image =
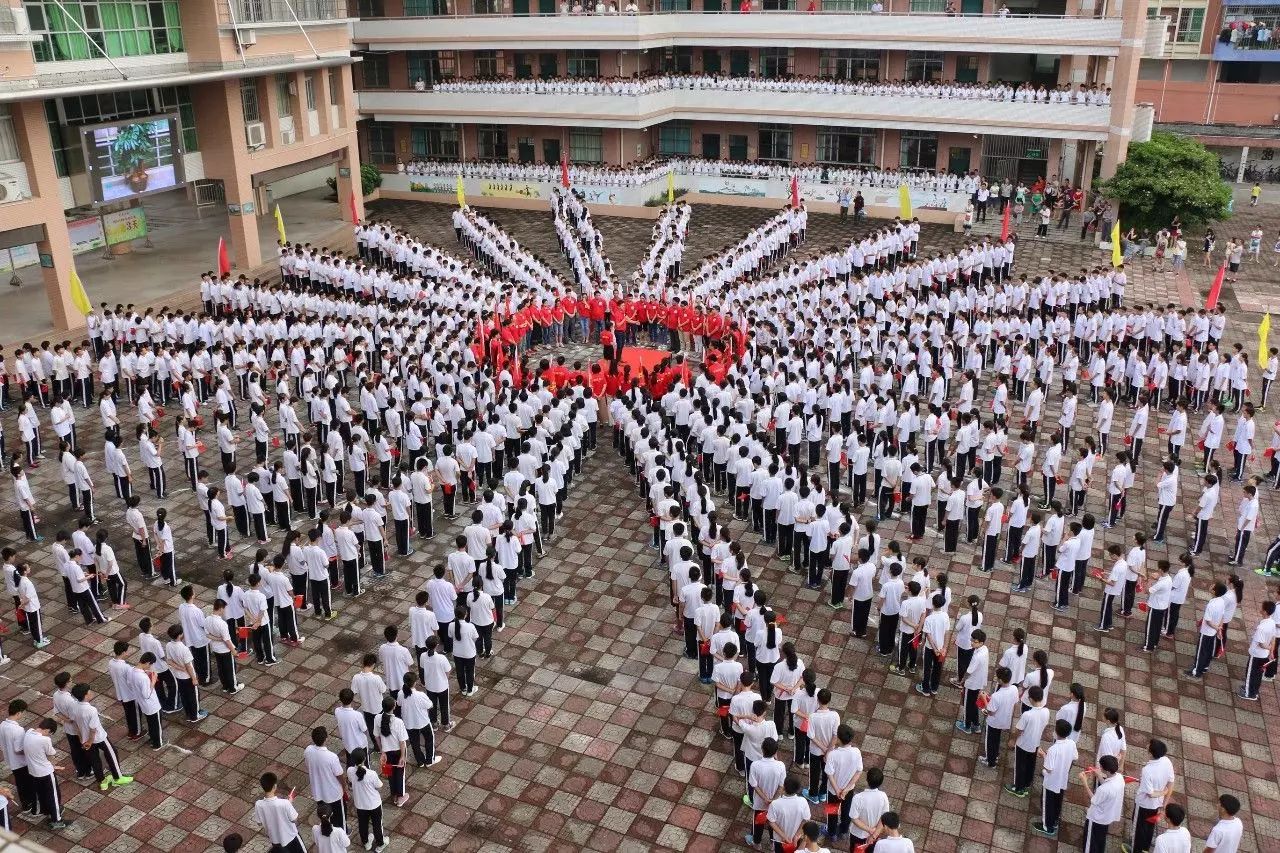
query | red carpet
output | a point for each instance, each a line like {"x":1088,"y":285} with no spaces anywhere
{"x":642,"y":358}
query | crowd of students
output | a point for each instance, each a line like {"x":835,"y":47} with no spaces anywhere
{"x":870,"y":364}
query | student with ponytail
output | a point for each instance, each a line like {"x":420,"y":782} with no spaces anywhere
{"x":1041,"y":676}
{"x":768,"y":651}
{"x":1014,"y":658}
{"x":482,"y":608}
{"x":327,"y":837}
{"x":1181,"y":589}
{"x":366,"y":796}
{"x":786,"y":679}
{"x":434,"y":667}
{"x":164,"y":549}
{"x":393,"y":742}
{"x":465,"y":638}
{"x":965,"y":626}
{"x":1073,"y":712}
{"x":415,"y":712}
{"x":1111,"y":740}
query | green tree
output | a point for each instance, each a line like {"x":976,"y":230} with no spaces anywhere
{"x":1168,"y":176}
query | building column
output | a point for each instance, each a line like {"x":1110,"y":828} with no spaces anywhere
{"x":1086,"y":170}
{"x":1124,"y":83}
{"x":246,"y":246}
{"x":56,"y":246}
{"x":1244,"y":161}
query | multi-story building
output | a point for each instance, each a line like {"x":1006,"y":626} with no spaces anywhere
{"x":1218,"y":79}
{"x":103,"y":102}
{"x":410,"y":46}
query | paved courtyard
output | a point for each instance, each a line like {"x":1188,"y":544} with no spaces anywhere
{"x":590,"y":732}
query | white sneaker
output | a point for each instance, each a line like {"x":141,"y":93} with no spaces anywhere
{"x":368,"y":845}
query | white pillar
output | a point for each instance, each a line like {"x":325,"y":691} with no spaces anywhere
{"x":1244,"y":161}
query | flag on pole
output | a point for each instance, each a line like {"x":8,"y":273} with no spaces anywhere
{"x":1117,"y":253}
{"x":461,"y":193}
{"x":1216,"y":289}
{"x":564,"y":170}
{"x":224,"y":260}
{"x":671,"y":187}
{"x":904,"y":201}
{"x":1264,"y":331}
{"x":351,"y":202}
{"x":280,"y":225}
{"x":80,"y":299}
{"x":795,"y":190}
{"x":1004,"y":223}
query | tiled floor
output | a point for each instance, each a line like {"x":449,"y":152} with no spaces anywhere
{"x":590,"y":730}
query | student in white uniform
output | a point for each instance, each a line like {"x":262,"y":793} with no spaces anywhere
{"x":1106,"y":802}
{"x":1155,"y":786}
{"x":1055,"y":776}
{"x":37,"y":748}
{"x":324,"y":773}
{"x":327,"y":837}
{"x":366,"y":797}
{"x":393,"y":742}
{"x":87,"y":722}
{"x":765,"y":784}
{"x":1227,"y":832}
{"x":277,"y":817}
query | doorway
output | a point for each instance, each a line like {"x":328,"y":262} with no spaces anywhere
{"x":739,"y":63}
{"x":710,"y":146}
{"x":548,"y":7}
{"x":971,"y":7}
{"x":737,"y":146}
{"x":548,"y":65}
{"x":525,"y":151}
{"x":551,"y":151}
{"x":958,"y":160}
{"x":520,"y":7}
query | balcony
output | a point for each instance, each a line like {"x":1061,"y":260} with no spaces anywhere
{"x":1060,"y":121}
{"x":1062,"y":36}
{"x":258,"y":13}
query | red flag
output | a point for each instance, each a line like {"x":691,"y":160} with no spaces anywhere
{"x":795,"y":190}
{"x":564,"y":170}
{"x":480,"y":328}
{"x":1004,"y":224}
{"x":351,"y":201}
{"x":1216,"y":290}
{"x":224,"y":260}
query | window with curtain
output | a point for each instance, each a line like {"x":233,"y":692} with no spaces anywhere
{"x":491,"y":139}
{"x":846,"y":64}
{"x":584,"y":63}
{"x":431,"y":66}
{"x":284,"y":98}
{"x":846,"y":146}
{"x":775,"y":143}
{"x":375,"y":70}
{"x":924,"y":66}
{"x":1190,"y":26}
{"x":117,"y":28}
{"x":918,"y":150}
{"x":586,"y":145}
{"x":8,"y":137}
{"x":488,"y":63}
{"x":675,"y":139}
{"x":434,"y":141}
{"x":309,"y":89}
{"x":382,"y":143}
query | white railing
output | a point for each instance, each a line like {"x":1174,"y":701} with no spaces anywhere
{"x":248,"y":12}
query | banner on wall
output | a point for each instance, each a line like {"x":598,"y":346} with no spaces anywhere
{"x":125,"y":225}
{"x":511,"y":189}
{"x":18,"y":257}
{"x":86,"y":234}
{"x":441,"y":187}
{"x":747,"y":187}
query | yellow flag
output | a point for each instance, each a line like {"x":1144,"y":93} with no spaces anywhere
{"x":904,"y":201}
{"x":1264,"y":331}
{"x":1117,"y":254}
{"x":79,"y":298}
{"x":462,"y":195}
{"x":280,"y":225}
{"x":671,"y":187}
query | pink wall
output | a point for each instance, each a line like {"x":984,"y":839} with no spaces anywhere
{"x":1232,"y":103}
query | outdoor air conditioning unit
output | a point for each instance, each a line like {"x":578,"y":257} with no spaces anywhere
{"x":288,"y":136}
{"x":247,"y":38}
{"x":255,"y":134}
{"x":21,"y":22}
{"x":11,"y":189}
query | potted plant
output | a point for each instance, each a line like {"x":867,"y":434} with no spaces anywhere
{"x":132,"y":153}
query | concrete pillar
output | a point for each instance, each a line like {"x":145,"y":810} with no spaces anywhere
{"x":57,"y":278}
{"x":1068,"y":170}
{"x":1086,"y":166}
{"x":1124,"y":83}
{"x":246,"y":247}
{"x":1244,"y":161}
{"x":348,"y":181}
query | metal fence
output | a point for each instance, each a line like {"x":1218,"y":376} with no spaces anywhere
{"x":274,"y":11}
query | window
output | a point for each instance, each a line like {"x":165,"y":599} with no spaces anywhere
{"x":284,"y":97}
{"x":309,"y":89}
{"x":918,"y":150}
{"x":434,"y":141}
{"x":65,"y":115}
{"x":487,"y":7}
{"x":177,"y":99}
{"x":8,"y":139}
{"x":1249,"y":27}
{"x":488,"y":63}
{"x":584,"y":63}
{"x":846,"y":146}
{"x":926,"y":66}
{"x":376,"y":71}
{"x":849,"y":64}
{"x":370,"y":9}
{"x":491,"y":139}
{"x":846,"y":5}
{"x":116,"y":28}
{"x":775,"y":142}
{"x":675,"y":139}
{"x":1190,"y":26}
{"x":586,"y":145}
{"x":249,"y":99}
{"x":678,"y":60}
{"x":335,"y":87}
{"x":928,"y":6}
{"x":421,"y":8}
{"x":737,"y":146}
{"x":711,"y":62}
{"x":431,"y":66}
{"x":775,"y":62}
{"x":382,"y":144}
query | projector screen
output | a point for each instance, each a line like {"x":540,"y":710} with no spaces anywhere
{"x":133,"y":158}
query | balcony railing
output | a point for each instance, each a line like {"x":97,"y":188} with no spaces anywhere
{"x":245,"y":12}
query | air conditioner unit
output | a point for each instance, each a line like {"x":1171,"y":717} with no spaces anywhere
{"x":11,"y":189}
{"x":255,"y":134}
{"x":288,"y":136}
{"x":293,"y":87}
{"x":247,"y":38}
{"x":21,"y":22}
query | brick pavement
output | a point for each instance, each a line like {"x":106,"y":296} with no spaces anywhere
{"x":590,"y":731}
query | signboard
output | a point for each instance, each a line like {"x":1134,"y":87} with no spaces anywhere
{"x":440,"y":187}
{"x":86,"y":234}
{"x":748,"y":187}
{"x":125,"y":225}
{"x":510,"y":189}
{"x":18,"y":256}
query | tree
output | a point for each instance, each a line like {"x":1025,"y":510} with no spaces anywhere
{"x":1168,"y":176}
